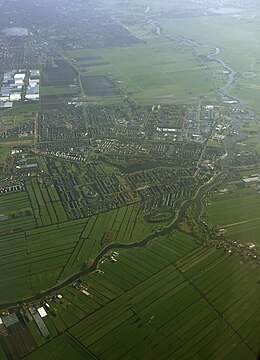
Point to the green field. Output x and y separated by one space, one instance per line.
238 214
239 46
57 90
22 109
168 68
63 347
171 300
157 71
57 248
164 314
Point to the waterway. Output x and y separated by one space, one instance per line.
158 29
195 201
165 231
231 74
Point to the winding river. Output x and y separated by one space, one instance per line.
166 230
231 74
196 200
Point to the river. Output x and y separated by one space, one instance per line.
158 29
231 74
196 200
165 231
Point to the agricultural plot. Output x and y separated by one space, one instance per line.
16 213
58 76
172 307
56 101
58 90
98 86
160 71
239 215
39 256
124 225
45 203
173 299
243 59
58 248
64 347
57 86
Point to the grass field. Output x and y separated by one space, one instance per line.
168 67
239 46
239 215
171 308
58 90
21 109
160 68
56 248
4 151
63 347
173 299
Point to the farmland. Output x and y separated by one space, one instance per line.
129 194
98 86
154 300
239 215
128 66
57 76
65 346
242 58
57 247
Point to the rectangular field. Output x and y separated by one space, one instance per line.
239 215
170 306
98 86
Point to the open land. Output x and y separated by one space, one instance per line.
129 193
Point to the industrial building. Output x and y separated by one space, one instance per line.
17 85
33 88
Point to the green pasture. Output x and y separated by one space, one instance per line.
12 140
57 90
148 71
252 141
25 108
239 215
168 67
56 248
4 151
62 347
237 39
16 207
161 301
162 313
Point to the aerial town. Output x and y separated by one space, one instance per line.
129 180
